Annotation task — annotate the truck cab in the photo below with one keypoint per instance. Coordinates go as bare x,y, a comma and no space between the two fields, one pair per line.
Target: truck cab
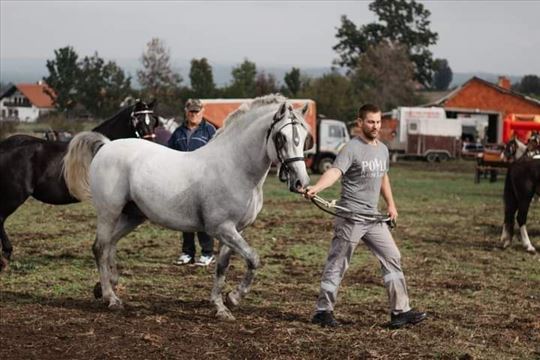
333,135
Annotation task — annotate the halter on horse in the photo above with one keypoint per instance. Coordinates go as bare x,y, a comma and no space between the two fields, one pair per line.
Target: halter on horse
216,189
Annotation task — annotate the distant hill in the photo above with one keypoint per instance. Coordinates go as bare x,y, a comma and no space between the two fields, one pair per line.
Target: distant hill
32,70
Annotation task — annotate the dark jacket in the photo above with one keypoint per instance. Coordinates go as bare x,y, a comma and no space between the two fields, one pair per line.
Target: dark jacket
200,137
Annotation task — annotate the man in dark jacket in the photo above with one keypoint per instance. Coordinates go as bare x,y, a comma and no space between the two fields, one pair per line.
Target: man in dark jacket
191,135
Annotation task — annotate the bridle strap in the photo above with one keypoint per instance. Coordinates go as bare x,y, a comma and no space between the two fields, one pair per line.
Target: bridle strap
134,119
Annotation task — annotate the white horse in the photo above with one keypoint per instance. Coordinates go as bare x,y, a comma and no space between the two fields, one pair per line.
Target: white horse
216,189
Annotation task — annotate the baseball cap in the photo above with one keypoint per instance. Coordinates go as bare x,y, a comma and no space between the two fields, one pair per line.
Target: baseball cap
193,105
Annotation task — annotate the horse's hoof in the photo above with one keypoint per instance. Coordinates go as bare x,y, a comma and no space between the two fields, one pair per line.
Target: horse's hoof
116,306
4,264
231,300
505,244
225,315
531,250
97,291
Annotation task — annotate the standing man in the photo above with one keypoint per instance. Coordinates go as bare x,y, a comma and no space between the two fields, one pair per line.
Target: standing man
363,164
191,135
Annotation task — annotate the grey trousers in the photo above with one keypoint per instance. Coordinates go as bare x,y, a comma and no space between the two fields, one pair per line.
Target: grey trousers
377,237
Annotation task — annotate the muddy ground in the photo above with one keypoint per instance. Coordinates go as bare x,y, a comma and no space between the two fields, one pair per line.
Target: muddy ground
483,302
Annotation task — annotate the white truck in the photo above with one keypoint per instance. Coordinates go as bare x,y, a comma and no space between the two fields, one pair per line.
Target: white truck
424,133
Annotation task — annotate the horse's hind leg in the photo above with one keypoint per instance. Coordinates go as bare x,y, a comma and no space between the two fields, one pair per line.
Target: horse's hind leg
102,251
222,266
7,249
522,222
510,208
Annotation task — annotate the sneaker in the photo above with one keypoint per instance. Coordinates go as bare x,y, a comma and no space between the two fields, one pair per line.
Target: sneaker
184,259
205,260
410,317
324,319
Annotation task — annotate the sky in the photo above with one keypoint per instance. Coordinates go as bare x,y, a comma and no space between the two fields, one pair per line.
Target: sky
490,36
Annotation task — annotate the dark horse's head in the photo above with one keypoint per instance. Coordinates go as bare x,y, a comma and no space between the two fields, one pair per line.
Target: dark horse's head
134,121
144,120
533,145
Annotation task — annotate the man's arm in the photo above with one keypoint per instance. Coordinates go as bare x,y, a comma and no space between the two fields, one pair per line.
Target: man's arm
386,191
327,179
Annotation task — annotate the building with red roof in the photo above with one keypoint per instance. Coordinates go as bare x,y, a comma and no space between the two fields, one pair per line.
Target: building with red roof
26,102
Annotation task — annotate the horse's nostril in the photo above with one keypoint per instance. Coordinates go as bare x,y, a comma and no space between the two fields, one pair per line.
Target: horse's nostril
298,184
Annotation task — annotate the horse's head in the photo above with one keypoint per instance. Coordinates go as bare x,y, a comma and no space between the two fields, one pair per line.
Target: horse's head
513,150
533,145
288,139
144,120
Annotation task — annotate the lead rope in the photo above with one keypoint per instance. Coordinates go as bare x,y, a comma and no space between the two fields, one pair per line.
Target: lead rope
325,205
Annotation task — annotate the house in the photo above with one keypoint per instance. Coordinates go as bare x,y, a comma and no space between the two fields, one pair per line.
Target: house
482,106
25,102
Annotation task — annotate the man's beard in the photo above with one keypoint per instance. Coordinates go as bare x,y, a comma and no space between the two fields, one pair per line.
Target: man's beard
371,135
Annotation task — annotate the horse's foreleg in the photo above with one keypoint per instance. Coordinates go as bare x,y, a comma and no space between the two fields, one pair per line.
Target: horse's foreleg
510,208
229,236
102,251
222,266
522,222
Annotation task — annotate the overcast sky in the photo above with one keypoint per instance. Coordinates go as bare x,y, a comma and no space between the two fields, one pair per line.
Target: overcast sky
492,36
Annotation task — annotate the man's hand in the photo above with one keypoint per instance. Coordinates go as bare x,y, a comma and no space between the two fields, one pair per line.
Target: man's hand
309,192
392,212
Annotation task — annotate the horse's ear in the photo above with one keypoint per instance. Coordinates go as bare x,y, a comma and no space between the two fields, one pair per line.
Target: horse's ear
280,114
152,105
305,109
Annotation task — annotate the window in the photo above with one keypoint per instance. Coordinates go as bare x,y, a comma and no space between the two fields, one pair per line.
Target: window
335,131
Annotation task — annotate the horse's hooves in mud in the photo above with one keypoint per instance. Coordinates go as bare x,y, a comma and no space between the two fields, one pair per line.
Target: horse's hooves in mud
225,315
97,291
231,300
4,264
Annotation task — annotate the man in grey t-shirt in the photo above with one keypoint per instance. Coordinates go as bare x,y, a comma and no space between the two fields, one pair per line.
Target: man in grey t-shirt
363,165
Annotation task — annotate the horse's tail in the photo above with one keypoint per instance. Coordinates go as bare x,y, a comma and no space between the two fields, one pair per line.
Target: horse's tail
82,149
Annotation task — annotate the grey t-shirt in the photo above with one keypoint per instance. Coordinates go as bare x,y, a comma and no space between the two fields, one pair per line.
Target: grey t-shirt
363,167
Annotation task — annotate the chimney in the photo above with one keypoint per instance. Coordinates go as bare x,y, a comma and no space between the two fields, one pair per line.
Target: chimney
504,82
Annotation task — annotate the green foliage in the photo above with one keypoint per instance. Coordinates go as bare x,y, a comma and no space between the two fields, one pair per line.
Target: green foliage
104,87
202,79
157,78
384,76
265,84
64,77
334,96
530,84
243,83
442,76
403,21
293,81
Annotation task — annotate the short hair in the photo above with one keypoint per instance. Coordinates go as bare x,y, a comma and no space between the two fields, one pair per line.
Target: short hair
367,108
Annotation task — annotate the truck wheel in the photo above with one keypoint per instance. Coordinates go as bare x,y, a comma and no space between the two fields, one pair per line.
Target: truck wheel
443,157
432,157
324,164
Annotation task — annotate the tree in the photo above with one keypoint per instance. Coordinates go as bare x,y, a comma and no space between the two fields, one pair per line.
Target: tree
157,78
265,84
104,87
243,83
293,81
402,21
64,74
530,84
384,76
442,76
333,94
202,79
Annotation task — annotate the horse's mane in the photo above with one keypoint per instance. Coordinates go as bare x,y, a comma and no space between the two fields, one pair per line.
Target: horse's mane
246,107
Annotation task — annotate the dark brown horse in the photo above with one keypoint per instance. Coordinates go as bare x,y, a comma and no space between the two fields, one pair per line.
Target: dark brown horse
521,184
30,166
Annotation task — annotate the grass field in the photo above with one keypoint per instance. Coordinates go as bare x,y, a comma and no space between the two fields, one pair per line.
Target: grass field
484,303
